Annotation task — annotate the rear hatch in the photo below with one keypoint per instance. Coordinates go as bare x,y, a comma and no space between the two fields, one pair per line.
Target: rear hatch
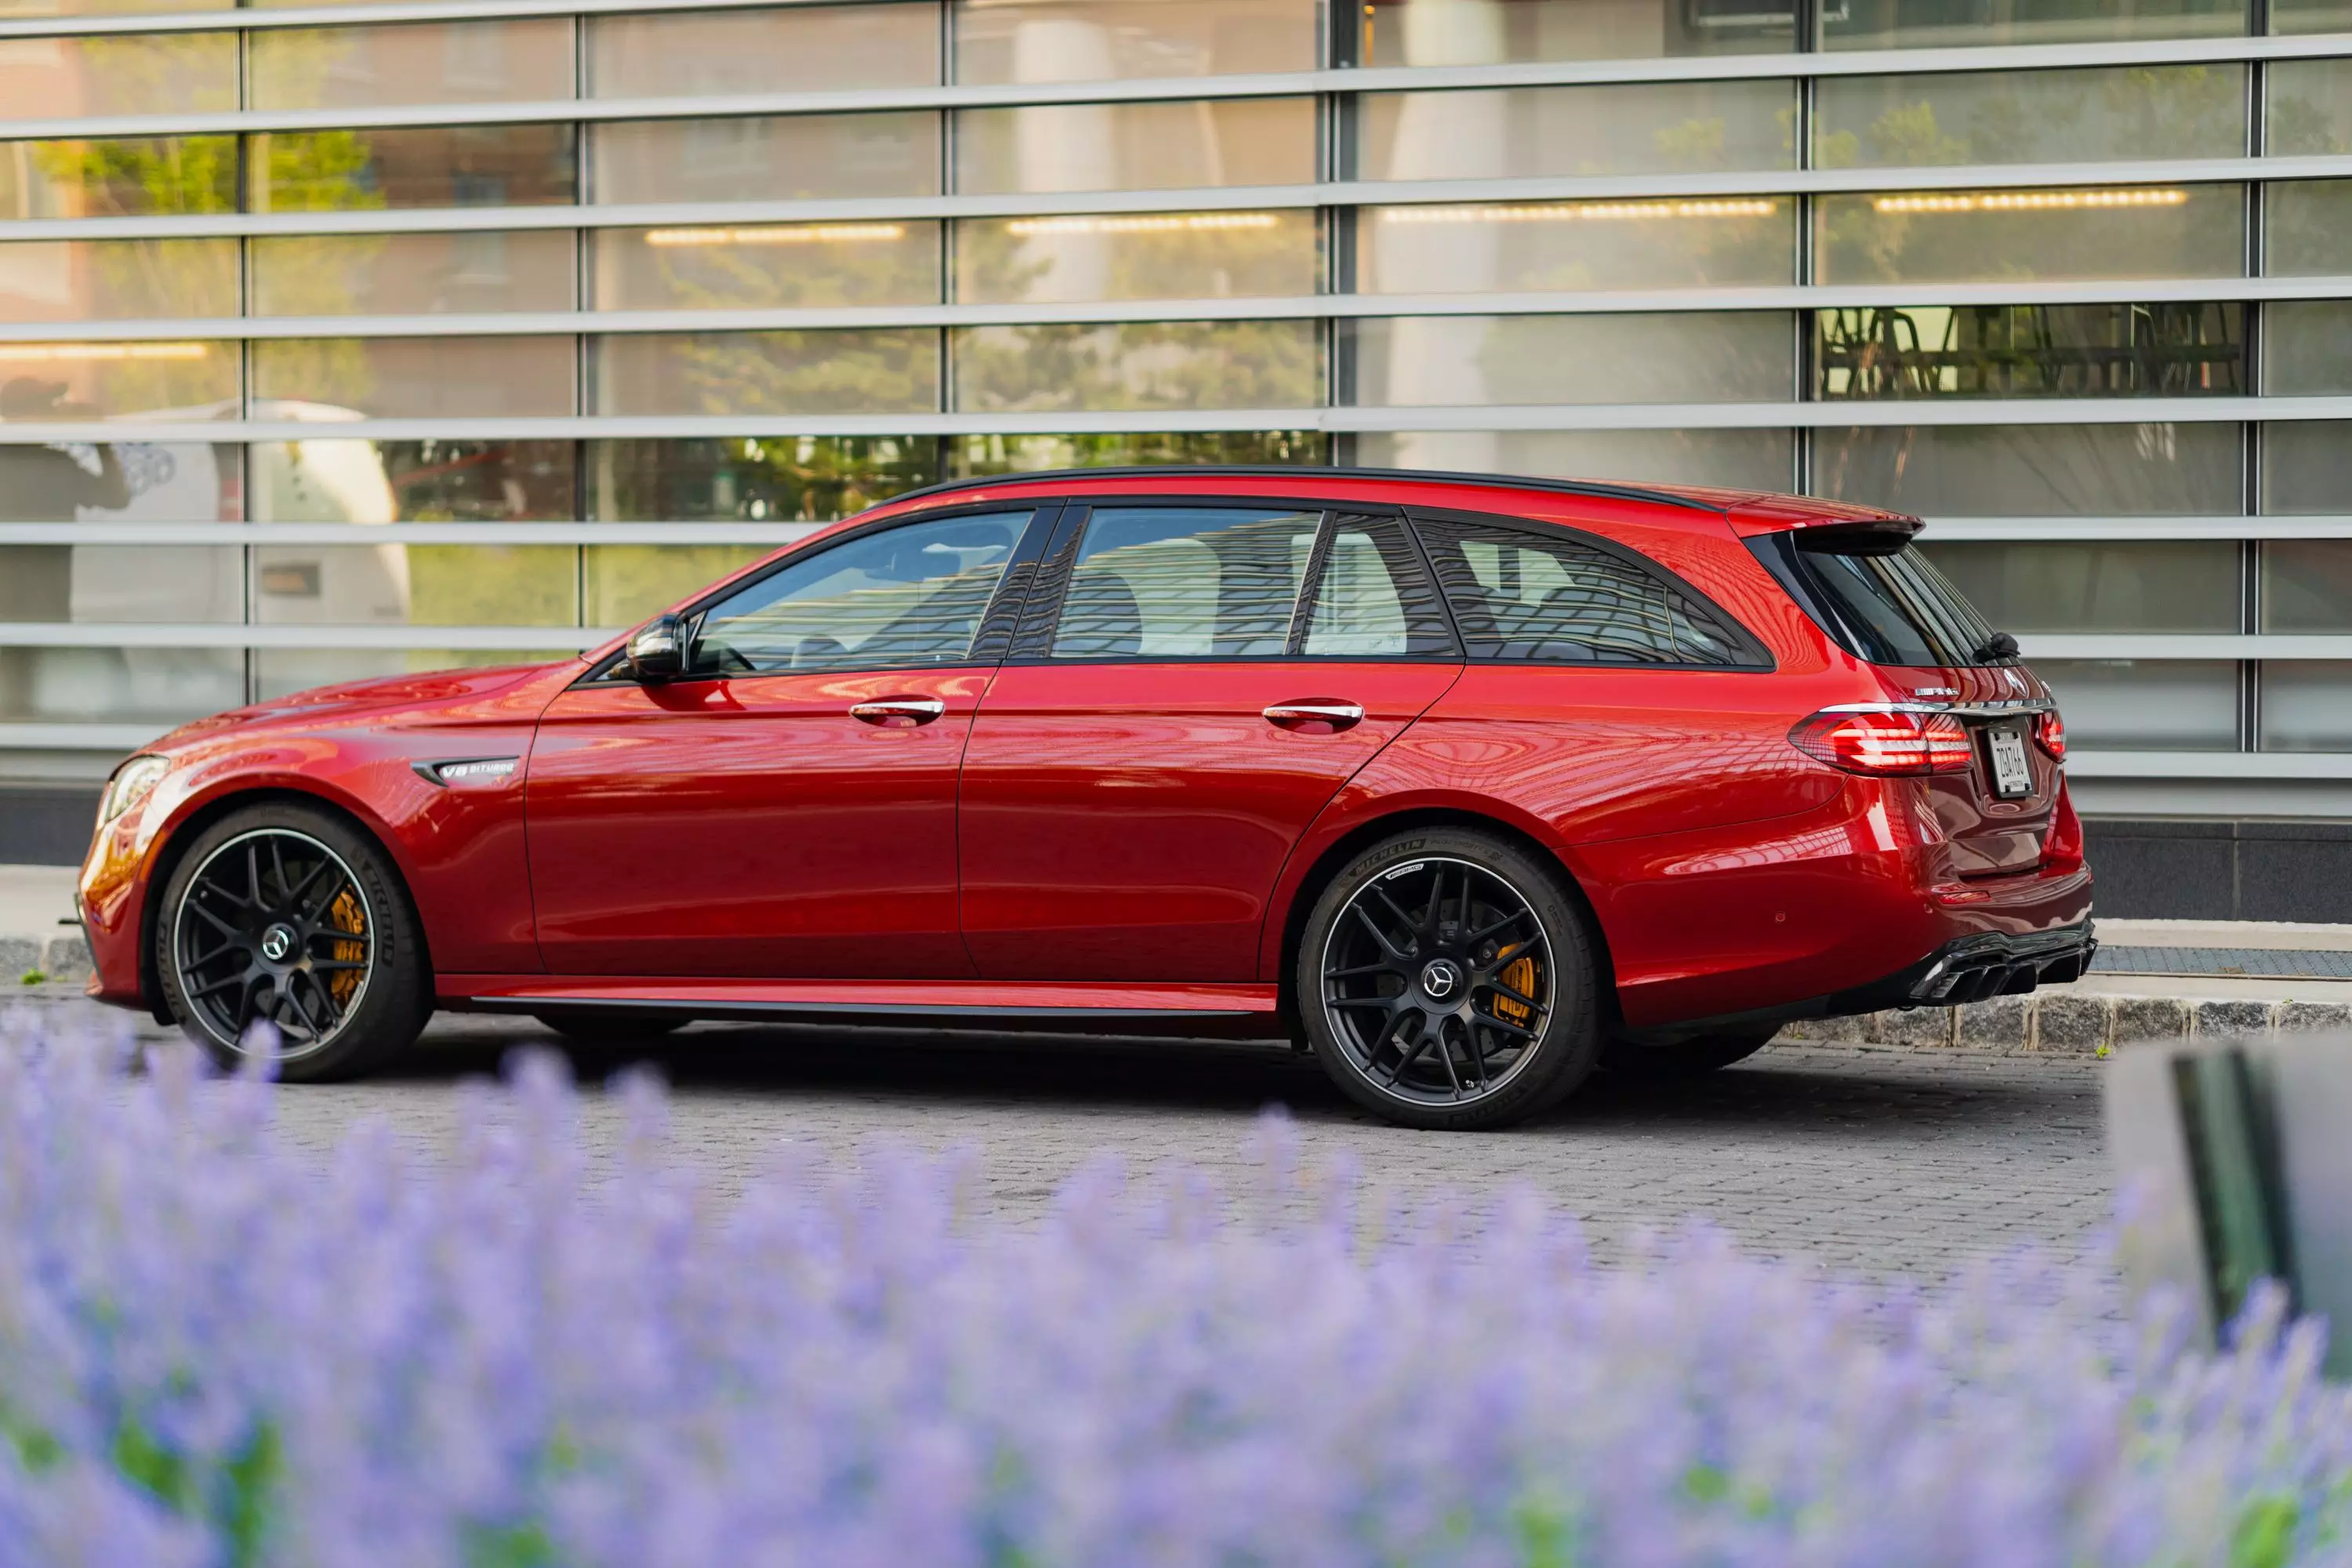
1885,602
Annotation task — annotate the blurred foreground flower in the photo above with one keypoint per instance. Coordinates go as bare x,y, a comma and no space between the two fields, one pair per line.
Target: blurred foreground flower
217,1349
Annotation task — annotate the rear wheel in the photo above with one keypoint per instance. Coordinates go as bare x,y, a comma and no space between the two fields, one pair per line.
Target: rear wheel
287,915
1686,1058
1446,981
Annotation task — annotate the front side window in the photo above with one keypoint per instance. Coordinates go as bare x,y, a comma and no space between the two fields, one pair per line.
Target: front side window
906,597
1527,597
1167,581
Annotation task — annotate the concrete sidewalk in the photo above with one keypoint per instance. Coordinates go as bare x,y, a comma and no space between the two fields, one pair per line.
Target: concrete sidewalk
2106,1008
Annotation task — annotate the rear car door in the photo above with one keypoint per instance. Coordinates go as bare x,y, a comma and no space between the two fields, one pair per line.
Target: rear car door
1193,682
787,810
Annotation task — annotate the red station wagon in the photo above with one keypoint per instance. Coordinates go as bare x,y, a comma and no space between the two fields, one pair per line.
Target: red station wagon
1466,784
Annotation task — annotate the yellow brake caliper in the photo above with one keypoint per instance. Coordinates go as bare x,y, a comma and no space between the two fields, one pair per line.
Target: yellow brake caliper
1520,975
345,914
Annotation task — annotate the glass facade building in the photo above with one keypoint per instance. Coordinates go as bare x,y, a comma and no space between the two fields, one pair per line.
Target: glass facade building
346,338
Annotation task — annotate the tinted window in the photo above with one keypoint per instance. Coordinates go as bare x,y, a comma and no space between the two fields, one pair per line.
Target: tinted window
1525,596
912,596
1371,597
1888,609
1184,583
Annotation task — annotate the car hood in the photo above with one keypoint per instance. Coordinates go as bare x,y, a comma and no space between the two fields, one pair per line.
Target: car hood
415,696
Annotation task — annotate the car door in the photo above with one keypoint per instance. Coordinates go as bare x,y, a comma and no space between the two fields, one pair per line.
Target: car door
1193,682
787,809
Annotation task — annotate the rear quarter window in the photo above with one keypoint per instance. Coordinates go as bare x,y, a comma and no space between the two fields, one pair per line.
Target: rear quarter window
1531,597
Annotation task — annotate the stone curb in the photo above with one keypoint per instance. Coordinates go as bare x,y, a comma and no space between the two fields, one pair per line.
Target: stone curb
2063,1024
62,957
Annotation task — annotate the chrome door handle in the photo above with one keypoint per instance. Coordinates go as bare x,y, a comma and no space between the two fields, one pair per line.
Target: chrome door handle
898,712
1307,711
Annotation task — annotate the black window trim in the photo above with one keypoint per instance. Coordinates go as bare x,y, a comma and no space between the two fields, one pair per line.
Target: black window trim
1757,659
995,622
1032,644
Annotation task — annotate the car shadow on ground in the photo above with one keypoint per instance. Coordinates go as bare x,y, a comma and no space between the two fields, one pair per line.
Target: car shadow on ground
1790,1090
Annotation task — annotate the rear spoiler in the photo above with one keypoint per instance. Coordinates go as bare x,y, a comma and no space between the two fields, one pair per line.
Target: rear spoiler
1878,536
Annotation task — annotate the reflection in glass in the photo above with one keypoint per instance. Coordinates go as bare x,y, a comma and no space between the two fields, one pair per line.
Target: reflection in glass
528,60
2034,470
895,262
130,177
2311,17
2146,705
414,378
109,8
411,274
621,584
1102,40
792,48
2308,227
2307,346
117,481
55,383
1944,23
158,686
1497,32
791,157
1531,131
133,73
2310,104
1137,256
2307,705
280,672
973,455
2308,467
412,481
427,166
886,371
184,584
416,584
1684,357
2306,586
2031,351
2185,586
2031,116
1710,242
1727,460
1139,365
791,479
1184,582
1955,236
117,279
1135,146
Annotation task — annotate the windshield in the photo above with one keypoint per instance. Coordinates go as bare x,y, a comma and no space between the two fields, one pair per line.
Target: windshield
1887,609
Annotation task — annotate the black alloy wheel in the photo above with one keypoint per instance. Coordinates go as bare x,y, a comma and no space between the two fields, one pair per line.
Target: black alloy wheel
285,916
1447,982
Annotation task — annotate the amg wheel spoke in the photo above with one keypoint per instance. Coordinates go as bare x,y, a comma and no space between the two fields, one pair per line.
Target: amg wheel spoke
245,1000
1436,910
1513,994
1508,1027
1404,917
294,896
218,924
1505,923
1385,1003
217,986
1477,1052
1419,1043
328,965
1446,1055
1373,926
302,1009
278,860
1360,971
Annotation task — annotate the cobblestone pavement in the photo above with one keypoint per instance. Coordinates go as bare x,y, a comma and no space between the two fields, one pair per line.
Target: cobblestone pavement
1882,1161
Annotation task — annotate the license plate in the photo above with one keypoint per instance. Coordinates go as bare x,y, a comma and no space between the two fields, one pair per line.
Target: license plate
2010,775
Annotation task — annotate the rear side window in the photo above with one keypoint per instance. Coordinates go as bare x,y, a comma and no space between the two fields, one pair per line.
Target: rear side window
1371,598
1530,597
1185,583
1886,608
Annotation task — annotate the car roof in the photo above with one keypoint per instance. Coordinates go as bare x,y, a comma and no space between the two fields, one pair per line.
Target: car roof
1748,511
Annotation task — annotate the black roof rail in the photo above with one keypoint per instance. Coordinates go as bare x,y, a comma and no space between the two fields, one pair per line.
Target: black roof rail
1313,471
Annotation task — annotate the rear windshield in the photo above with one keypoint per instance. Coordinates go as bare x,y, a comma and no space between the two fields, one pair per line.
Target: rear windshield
1887,609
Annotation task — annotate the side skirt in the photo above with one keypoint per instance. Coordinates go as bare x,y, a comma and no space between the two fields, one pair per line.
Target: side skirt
1178,1011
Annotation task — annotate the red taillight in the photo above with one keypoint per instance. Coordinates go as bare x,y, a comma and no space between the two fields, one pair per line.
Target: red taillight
1884,744
2051,731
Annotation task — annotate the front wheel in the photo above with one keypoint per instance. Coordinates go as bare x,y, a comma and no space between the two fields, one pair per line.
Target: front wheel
1446,981
287,915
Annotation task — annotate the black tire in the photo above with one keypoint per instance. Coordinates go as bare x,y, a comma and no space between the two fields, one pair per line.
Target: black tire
1686,1058
287,912
609,1030
1372,1007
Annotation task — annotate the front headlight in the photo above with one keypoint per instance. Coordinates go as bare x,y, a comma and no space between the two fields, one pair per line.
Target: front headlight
130,785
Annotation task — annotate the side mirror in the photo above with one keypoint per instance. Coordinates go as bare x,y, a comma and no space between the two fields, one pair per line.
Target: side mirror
658,652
